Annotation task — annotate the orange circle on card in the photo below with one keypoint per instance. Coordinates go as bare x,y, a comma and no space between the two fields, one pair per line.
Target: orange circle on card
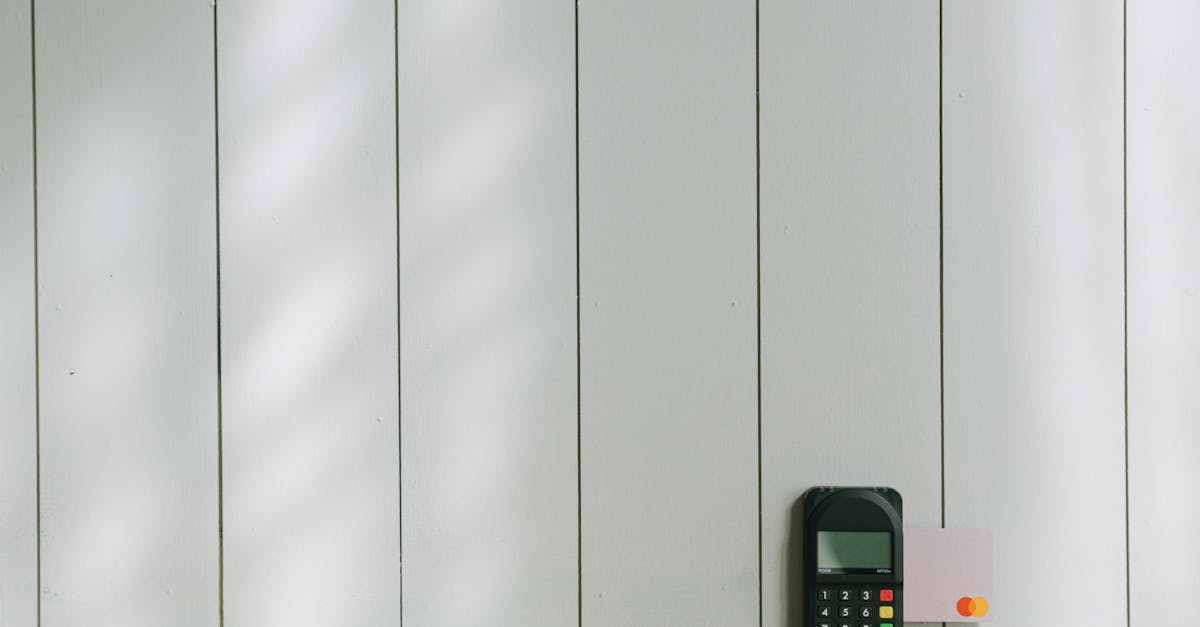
972,606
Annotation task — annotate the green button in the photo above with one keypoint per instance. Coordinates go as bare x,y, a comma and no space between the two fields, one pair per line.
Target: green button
886,625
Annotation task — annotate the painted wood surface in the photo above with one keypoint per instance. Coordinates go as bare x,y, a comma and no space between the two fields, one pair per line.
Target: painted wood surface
127,301
1034,431
1164,307
398,231
849,245
488,337
667,330
18,393
308,313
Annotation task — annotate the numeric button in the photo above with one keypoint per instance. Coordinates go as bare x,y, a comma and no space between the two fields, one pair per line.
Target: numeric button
824,611
865,595
824,595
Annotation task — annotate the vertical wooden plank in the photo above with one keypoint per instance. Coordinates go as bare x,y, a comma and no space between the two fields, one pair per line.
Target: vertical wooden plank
128,330
667,265
1033,301
1164,279
488,338
18,394
308,295
850,380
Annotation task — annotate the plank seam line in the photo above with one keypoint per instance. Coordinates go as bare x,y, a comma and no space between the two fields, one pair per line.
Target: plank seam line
941,260
941,271
220,388
758,289
399,360
1125,283
578,357
37,332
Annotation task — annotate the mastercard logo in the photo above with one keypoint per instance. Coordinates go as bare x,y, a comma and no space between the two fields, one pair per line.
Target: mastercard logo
972,606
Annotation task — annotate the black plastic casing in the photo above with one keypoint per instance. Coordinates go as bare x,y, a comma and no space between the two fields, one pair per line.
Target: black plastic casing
852,509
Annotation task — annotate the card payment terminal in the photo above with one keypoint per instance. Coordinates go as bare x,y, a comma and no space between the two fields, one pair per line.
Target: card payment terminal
853,557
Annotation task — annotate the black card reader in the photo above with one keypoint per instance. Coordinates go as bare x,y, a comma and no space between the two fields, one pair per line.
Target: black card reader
853,557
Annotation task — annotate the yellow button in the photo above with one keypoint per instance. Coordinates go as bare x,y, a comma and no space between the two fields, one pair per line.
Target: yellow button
885,611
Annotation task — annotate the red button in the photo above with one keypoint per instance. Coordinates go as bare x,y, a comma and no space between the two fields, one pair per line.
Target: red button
885,595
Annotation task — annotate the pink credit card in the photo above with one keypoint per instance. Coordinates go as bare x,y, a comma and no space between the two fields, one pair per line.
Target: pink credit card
947,575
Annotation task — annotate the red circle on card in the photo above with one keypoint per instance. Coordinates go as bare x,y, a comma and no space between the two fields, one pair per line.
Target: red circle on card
965,606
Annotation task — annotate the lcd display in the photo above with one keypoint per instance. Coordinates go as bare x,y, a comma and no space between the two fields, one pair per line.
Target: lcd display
841,550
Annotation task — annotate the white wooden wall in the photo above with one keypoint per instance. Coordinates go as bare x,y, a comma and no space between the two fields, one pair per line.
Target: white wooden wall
1163,307
1033,301
524,312
18,336
668,437
127,314
849,250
